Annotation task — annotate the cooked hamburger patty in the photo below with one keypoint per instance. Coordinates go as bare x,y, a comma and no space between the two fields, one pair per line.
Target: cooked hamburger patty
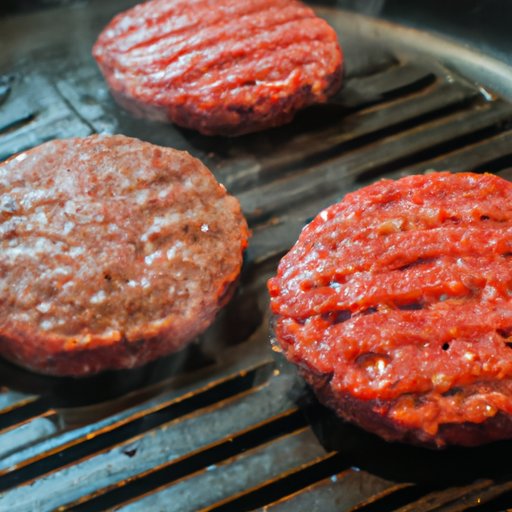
397,305
113,252
228,68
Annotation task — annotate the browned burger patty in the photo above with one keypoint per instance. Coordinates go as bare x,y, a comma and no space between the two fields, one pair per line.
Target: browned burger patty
397,305
228,68
113,252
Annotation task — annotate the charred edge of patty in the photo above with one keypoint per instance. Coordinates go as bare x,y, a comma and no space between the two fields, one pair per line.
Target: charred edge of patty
365,414
219,121
124,354
82,362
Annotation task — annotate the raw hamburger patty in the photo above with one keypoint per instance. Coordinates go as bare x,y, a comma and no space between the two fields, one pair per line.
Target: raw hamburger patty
396,303
227,68
113,252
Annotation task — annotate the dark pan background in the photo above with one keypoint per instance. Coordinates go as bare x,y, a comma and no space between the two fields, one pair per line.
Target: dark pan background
481,24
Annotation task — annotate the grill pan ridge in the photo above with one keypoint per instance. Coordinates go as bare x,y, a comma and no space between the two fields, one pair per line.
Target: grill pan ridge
226,425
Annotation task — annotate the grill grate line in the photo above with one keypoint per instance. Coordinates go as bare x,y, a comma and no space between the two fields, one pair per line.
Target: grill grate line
170,440
28,433
458,499
177,409
10,400
350,133
498,165
271,491
73,109
19,123
47,413
385,63
496,504
492,154
387,154
338,490
5,87
284,230
335,149
22,412
437,150
45,115
242,358
158,478
392,502
363,94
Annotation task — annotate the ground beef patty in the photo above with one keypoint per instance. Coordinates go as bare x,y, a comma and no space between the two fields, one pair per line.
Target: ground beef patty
228,68
397,305
113,252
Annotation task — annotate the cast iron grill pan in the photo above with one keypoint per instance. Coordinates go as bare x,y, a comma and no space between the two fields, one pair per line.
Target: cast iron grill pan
226,425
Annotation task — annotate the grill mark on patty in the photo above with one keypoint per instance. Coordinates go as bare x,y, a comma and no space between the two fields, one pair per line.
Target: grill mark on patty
200,63
159,59
188,67
298,55
121,29
426,282
383,254
478,241
245,22
337,317
155,30
192,41
411,306
416,262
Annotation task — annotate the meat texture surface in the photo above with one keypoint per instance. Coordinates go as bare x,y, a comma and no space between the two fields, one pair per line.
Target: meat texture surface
396,303
223,68
113,252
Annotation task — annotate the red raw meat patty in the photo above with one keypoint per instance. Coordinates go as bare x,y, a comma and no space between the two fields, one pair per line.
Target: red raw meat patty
113,252
223,68
396,303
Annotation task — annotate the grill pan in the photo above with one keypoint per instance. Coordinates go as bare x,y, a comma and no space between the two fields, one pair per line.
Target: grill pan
226,425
